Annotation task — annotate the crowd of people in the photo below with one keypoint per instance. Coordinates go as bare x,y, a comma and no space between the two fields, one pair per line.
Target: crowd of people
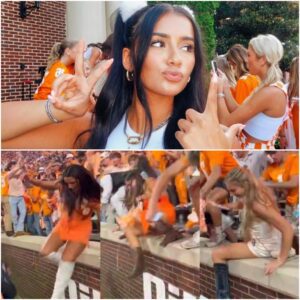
178,194
55,191
152,93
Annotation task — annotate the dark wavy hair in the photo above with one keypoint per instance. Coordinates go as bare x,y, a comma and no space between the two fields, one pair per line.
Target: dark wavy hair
89,188
117,93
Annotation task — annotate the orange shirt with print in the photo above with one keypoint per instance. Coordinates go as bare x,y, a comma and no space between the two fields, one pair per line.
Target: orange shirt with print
34,193
210,159
244,87
284,172
56,70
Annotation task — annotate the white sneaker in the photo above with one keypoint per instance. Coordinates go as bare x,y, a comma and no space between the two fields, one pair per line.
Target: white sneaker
193,242
226,222
218,241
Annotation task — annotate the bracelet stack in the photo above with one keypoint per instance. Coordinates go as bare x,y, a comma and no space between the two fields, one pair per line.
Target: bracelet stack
49,113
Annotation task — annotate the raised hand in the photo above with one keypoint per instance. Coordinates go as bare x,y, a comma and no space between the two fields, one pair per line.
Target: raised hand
203,130
71,93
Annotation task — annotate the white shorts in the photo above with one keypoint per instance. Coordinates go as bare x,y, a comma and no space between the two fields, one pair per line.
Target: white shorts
258,249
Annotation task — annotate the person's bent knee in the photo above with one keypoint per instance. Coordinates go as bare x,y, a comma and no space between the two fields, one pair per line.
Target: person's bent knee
217,255
44,252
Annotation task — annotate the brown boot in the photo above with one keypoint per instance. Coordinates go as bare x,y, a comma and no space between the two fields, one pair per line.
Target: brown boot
161,227
138,268
171,236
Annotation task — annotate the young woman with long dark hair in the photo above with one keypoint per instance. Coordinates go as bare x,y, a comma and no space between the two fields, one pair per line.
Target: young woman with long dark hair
80,198
156,75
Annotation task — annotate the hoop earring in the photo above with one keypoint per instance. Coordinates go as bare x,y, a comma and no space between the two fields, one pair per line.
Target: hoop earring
129,75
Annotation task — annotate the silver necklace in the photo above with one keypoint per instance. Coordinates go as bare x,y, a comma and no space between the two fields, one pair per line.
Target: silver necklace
136,139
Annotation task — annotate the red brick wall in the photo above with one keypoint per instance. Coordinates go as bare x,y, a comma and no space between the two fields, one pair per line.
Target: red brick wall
27,41
36,281
117,262
239,288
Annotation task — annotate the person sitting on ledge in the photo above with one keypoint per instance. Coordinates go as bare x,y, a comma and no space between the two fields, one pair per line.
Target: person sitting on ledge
266,232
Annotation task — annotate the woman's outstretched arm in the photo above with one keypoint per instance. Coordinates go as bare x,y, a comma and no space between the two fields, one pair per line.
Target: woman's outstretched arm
70,98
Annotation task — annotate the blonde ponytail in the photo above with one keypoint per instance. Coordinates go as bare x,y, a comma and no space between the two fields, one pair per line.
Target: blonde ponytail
271,48
58,50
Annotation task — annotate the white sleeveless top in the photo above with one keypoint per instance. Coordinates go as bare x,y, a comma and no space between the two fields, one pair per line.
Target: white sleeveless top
266,235
117,140
263,127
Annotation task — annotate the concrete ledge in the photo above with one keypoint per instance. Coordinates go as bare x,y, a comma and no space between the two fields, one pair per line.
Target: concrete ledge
173,251
285,280
89,257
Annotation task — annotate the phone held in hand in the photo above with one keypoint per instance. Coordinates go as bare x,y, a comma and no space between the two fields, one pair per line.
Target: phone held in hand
214,67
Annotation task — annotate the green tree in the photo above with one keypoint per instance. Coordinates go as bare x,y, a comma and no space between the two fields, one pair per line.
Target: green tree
239,21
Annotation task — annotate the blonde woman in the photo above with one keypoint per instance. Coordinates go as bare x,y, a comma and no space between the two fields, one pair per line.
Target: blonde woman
266,232
264,111
61,61
245,82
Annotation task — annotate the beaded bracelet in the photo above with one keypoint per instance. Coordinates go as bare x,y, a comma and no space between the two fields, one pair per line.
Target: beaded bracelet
49,113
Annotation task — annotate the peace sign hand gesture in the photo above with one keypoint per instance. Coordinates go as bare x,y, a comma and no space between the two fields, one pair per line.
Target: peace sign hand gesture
203,130
71,93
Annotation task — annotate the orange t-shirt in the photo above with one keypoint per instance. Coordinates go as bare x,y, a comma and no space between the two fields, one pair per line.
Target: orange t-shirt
4,184
34,193
46,209
210,159
181,188
28,203
284,172
157,159
56,70
244,87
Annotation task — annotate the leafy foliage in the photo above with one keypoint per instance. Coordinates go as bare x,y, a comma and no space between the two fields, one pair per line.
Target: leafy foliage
239,21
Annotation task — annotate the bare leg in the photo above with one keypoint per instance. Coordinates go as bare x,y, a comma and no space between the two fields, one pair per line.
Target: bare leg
231,251
52,244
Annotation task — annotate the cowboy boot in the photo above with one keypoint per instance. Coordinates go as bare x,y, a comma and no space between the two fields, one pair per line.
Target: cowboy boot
138,268
63,276
222,281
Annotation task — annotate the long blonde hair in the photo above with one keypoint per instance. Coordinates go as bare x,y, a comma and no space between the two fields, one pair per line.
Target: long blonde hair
255,191
58,50
270,47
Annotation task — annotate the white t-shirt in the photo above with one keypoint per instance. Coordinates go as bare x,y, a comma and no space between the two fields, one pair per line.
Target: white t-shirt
117,140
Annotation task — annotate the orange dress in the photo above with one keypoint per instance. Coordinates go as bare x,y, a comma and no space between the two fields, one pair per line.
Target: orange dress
56,70
244,87
165,206
78,226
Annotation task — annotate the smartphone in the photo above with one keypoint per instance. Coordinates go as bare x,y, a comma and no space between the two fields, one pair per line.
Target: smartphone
214,67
